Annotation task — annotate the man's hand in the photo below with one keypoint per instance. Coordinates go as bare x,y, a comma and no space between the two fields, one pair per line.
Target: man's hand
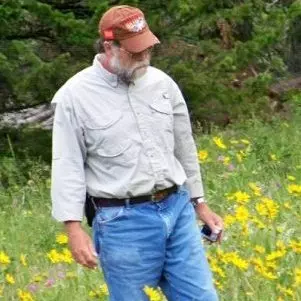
214,221
81,245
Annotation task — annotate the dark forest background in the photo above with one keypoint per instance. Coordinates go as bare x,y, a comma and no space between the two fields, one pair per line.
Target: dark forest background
233,59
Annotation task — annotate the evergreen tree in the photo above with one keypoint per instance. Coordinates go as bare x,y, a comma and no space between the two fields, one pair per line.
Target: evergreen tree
223,54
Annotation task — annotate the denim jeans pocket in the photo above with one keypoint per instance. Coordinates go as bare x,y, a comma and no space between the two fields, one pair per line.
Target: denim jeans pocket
105,215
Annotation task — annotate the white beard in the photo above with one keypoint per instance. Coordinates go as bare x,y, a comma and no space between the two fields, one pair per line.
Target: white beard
128,74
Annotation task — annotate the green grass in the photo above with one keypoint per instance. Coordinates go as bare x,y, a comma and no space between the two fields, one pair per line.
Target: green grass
273,154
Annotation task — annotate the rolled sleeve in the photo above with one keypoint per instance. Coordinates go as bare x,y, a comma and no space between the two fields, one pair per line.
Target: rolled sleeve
185,148
68,187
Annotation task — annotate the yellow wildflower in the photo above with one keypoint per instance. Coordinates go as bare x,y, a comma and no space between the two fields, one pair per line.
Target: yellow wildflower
287,291
10,279
23,260
240,197
259,249
54,256
234,258
216,268
262,270
245,229
266,274
280,245
218,284
275,255
246,243
271,265
242,214
66,256
267,208
296,246
92,294
273,157
99,293
287,205
4,259
25,296
239,158
37,278
259,223
239,262
104,289
57,257
294,189
297,278
256,189
203,155
229,220
219,142
61,239
242,153
226,160
153,294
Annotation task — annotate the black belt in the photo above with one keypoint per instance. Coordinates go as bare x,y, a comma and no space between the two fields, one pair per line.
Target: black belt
155,197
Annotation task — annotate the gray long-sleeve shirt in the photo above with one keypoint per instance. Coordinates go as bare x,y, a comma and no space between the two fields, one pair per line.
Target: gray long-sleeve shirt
115,140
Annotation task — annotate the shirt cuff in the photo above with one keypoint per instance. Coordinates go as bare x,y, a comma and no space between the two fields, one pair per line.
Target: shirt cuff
201,199
63,214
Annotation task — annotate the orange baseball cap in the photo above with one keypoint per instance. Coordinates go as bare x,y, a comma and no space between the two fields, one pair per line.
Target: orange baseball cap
127,25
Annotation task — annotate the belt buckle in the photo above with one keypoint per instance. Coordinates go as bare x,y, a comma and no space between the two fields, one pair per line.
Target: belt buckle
158,196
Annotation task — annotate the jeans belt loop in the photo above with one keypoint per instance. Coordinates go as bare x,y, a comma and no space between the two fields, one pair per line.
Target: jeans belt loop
127,203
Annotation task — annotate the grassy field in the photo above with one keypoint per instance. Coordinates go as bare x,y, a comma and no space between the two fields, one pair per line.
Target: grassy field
252,175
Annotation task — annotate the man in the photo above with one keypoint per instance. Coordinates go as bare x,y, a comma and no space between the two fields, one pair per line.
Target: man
122,136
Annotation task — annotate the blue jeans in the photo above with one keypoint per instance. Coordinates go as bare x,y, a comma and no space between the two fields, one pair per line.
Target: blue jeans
154,244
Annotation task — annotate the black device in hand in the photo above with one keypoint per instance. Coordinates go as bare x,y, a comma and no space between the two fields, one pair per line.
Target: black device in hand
208,234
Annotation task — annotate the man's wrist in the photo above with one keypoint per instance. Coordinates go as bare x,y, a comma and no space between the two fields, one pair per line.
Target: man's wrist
72,225
197,200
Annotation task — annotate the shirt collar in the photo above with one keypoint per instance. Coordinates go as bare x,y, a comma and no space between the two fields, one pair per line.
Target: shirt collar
109,77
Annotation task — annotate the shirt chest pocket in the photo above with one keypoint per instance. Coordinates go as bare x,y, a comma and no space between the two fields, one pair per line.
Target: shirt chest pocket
105,135
162,122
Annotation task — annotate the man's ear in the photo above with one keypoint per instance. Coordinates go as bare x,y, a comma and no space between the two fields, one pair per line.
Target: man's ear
107,46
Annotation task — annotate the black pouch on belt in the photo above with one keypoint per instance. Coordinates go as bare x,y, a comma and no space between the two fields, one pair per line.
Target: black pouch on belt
89,210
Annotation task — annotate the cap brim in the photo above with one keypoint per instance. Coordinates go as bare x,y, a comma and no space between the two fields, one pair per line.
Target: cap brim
140,42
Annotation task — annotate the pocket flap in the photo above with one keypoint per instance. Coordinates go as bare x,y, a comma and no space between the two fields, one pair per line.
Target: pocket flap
162,105
103,121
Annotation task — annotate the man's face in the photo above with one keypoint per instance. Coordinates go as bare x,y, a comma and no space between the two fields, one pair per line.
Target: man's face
129,66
